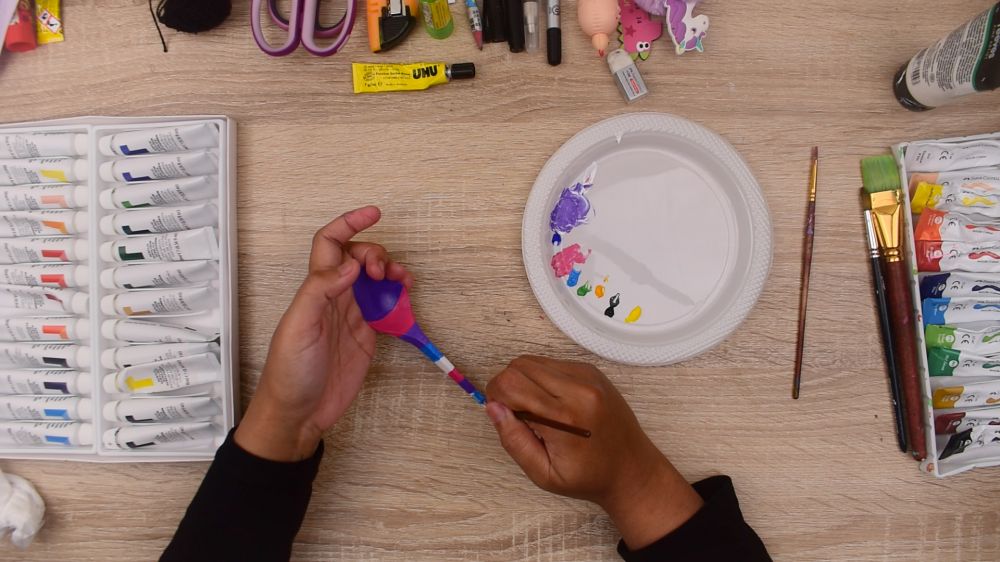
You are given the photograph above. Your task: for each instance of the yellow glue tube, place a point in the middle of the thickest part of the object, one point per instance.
(48, 21)
(375, 77)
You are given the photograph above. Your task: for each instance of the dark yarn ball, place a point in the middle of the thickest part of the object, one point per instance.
(193, 16)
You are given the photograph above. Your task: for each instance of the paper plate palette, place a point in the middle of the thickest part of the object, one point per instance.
(646, 239)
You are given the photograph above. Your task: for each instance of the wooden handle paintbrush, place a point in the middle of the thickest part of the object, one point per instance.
(807, 258)
(881, 180)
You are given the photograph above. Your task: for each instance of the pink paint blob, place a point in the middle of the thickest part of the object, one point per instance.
(564, 261)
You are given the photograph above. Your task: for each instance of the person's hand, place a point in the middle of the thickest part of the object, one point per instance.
(322, 347)
(617, 467)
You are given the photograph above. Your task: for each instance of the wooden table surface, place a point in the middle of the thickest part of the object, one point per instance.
(414, 472)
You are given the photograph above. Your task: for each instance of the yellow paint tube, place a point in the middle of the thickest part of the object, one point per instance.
(48, 22)
(373, 78)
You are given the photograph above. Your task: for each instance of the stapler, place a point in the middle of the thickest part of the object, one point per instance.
(389, 22)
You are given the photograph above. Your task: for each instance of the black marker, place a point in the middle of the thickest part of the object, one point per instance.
(554, 34)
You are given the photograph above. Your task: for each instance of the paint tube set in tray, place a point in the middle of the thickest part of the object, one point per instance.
(952, 204)
(117, 288)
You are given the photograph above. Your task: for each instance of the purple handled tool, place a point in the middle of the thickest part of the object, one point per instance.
(303, 28)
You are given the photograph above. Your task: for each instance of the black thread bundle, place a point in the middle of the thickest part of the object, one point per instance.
(189, 16)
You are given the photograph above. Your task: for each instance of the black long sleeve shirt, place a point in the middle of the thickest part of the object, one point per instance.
(249, 508)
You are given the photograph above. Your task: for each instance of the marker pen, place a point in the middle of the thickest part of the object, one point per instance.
(554, 33)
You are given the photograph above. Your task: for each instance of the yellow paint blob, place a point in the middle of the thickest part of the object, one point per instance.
(634, 315)
(599, 291)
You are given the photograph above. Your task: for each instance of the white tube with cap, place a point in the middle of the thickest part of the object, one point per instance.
(44, 328)
(157, 275)
(43, 196)
(159, 301)
(159, 410)
(43, 170)
(42, 145)
(158, 220)
(129, 355)
(58, 275)
(45, 381)
(43, 223)
(160, 139)
(200, 244)
(45, 408)
(165, 376)
(162, 436)
(22, 301)
(161, 166)
(162, 193)
(141, 331)
(46, 249)
(36, 433)
(44, 355)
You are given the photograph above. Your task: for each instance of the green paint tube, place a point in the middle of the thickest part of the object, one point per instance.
(953, 363)
(983, 340)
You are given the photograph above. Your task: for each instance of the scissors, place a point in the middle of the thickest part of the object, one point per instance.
(303, 28)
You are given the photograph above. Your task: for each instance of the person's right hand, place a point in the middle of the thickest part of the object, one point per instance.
(618, 467)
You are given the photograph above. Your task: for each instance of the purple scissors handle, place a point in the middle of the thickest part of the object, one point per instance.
(321, 31)
(302, 26)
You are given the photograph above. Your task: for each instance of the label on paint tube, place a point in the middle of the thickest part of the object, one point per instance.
(43, 170)
(959, 284)
(961, 309)
(129, 355)
(42, 145)
(976, 257)
(141, 331)
(165, 376)
(160, 193)
(160, 219)
(46, 328)
(45, 381)
(972, 338)
(38, 250)
(954, 227)
(953, 363)
(157, 275)
(957, 422)
(948, 156)
(43, 196)
(161, 167)
(961, 192)
(36, 433)
(45, 275)
(163, 139)
(42, 223)
(45, 408)
(165, 436)
(207, 323)
(44, 355)
(954, 392)
(200, 244)
(44, 300)
(979, 437)
(159, 410)
(160, 301)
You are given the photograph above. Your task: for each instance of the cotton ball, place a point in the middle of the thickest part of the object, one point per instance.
(21, 509)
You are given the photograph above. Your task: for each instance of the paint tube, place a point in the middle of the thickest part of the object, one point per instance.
(42, 145)
(159, 410)
(154, 275)
(957, 422)
(207, 323)
(44, 355)
(160, 167)
(950, 393)
(165, 376)
(159, 220)
(48, 22)
(43, 223)
(166, 436)
(141, 331)
(160, 193)
(164, 139)
(159, 301)
(959, 284)
(57, 275)
(41, 196)
(978, 437)
(45, 381)
(46, 249)
(42, 299)
(199, 244)
(45, 328)
(973, 257)
(45, 408)
(967, 193)
(955, 310)
(66, 434)
(949, 156)
(980, 339)
(954, 363)
(43, 170)
(130, 355)
(937, 226)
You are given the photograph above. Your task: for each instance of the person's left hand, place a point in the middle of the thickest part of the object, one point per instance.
(322, 347)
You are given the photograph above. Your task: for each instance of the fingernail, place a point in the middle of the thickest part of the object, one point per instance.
(497, 412)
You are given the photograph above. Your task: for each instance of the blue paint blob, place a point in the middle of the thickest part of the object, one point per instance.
(556, 239)
(574, 278)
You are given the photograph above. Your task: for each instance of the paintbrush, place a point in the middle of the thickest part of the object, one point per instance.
(881, 181)
(807, 255)
(878, 282)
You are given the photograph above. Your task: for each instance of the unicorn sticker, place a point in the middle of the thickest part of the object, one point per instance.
(686, 29)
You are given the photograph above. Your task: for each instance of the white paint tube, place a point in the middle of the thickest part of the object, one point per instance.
(162, 139)
(58, 275)
(161, 166)
(44, 355)
(166, 436)
(45, 381)
(45, 408)
(947, 156)
(30, 300)
(45, 328)
(129, 355)
(43, 223)
(207, 323)
(41, 196)
(165, 376)
(66, 434)
(200, 244)
(154, 275)
(141, 331)
(159, 301)
(43, 170)
(41, 145)
(46, 249)
(140, 222)
(160, 193)
(159, 410)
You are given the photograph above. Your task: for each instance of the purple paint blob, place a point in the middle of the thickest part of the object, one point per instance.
(571, 210)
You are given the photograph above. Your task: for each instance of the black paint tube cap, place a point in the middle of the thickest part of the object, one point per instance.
(463, 70)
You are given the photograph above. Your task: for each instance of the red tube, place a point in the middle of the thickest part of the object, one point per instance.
(21, 33)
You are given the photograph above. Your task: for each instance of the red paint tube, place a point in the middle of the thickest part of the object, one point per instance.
(21, 33)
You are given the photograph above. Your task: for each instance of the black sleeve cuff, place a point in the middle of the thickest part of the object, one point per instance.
(232, 460)
(716, 532)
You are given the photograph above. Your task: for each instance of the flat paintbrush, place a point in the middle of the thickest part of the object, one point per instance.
(881, 180)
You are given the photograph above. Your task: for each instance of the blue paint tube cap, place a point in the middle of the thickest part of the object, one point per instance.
(933, 286)
(934, 310)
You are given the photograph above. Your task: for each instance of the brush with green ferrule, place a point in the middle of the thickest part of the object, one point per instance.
(881, 181)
